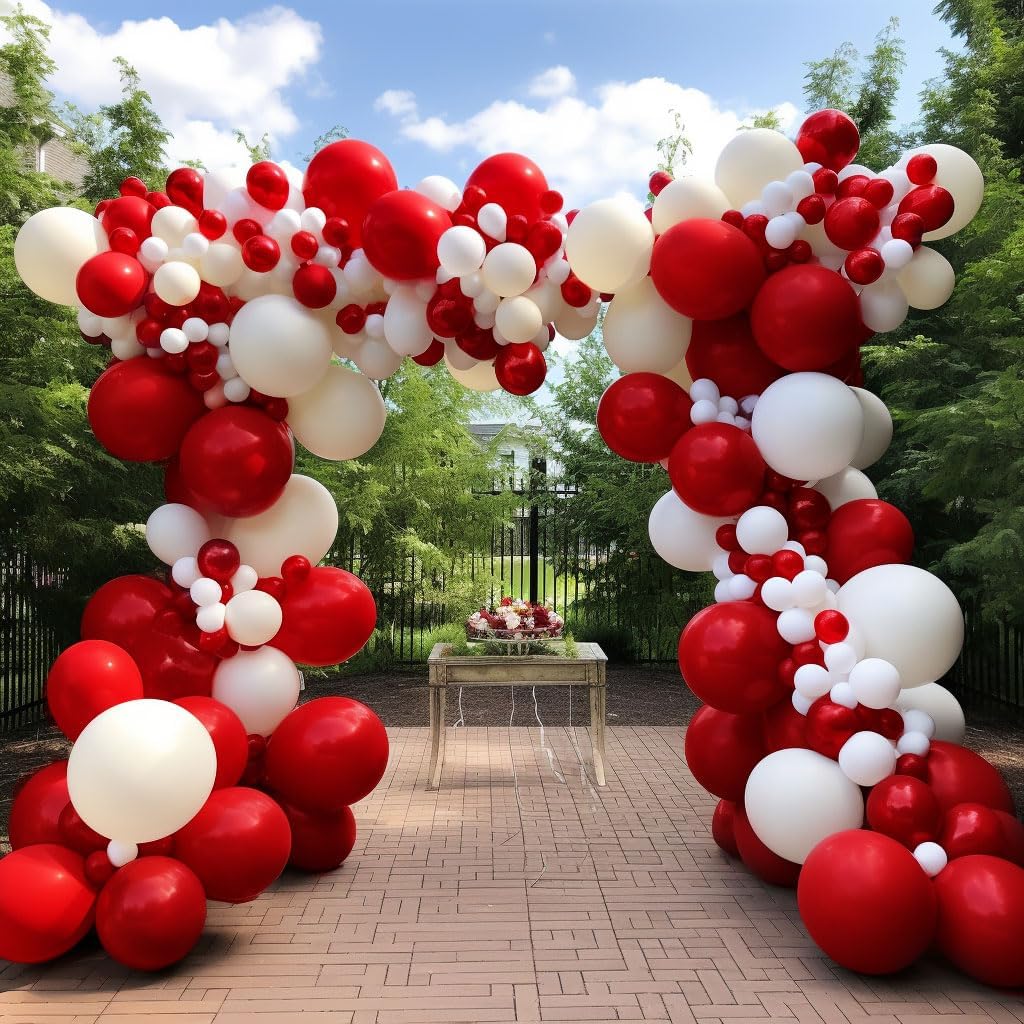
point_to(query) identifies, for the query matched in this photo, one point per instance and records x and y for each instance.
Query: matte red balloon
(237, 844)
(717, 469)
(864, 533)
(725, 351)
(722, 749)
(140, 412)
(513, 181)
(642, 415)
(905, 809)
(328, 616)
(723, 827)
(46, 903)
(111, 284)
(171, 664)
(981, 906)
(122, 607)
(520, 369)
(706, 269)
(1013, 836)
(972, 828)
(400, 235)
(829, 725)
(178, 492)
(806, 317)
(782, 726)
(327, 754)
(851, 223)
(237, 459)
(151, 913)
(131, 212)
(230, 739)
(729, 655)
(829, 138)
(38, 801)
(761, 861)
(320, 842)
(867, 902)
(75, 834)
(958, 775)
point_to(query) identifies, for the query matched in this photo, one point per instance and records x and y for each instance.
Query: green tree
(258, 150)
(335, 134)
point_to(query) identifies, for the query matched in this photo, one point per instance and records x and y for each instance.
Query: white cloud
(397, 102)
(556, 81)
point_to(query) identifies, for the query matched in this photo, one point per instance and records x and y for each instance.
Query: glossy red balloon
(905, 809)
(864, 533)
(706, 269)
(38, 801)
(729, 655)
(230, 739)
(151, 913)
(867, 902)
(717, 469)
(829, 138)
(767, 866)
(782, 726)
(828, 726)
(122, 607)
(185, 188)
(314, 285)
(932, 203)
(237, 460)
(46, 903)
(972, 828)
(320, 842)
(722, 749)
(87, 678)
(328, 615)
(131, 212)
(171, 664)
(344, 179)
(111, 284)
(725, 351)
(981, 906)
(140, 412)
(513, 181)
(958, 775)
(642, 415)
(520, 369)
(267, 184)
(237, 844)
(723, 827)
(178, 492)
(400, 235)
(851, 223)
(327, 754)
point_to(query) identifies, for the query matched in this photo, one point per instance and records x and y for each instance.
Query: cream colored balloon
(847, 485)
(518, 318)
(509, 269)
(176, 282)
(479, 377)
(173, 223)
(548, 298)
(751, 159)
(962, 178)
(303, 521)
(686, 198)
(377, 359)
(927, 280)
(260, 686)
(342, 417)
(680, 374)
(877, 429)
(642, 332)
(51, 247)
(575, 324)
(252, 618)
(609, 244)
(221, 264)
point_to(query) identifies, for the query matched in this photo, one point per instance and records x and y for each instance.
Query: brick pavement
(519, 892)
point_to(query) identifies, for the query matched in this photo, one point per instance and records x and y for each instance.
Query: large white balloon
(682, 537)
(795, 798)
(176, 531)
(303, 521)
(751, 159)
(686, 198)
(928, 279)
(479, 377)
(908, 617)
(141, 770)
(944, 708)
(609, 244)
(883, 306)
(405, 322)
(962, 178)
(261, 687)
(278, 346)
(848, 484)
(877, 429)
(808, 425)
(680, 373)
(642, 332)
(51, 247)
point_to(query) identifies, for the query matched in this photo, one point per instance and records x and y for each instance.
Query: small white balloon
(260, 686)
(210, 618)
(931, 857)
(867, 757)
(941, 707)
(461, 250)
(609, 244)
(840, 658)
(176, 282)
(883, 306)
(172, 223)
(842, 693)
(918, 721)
(509, 269)
(741, 587)
(518, 319)
(875, 682)
(809, 589)
(762, 530)
(205, 591)
(703, 411)
(253, 618)
(777, 593)
(796, 625)
(120, 853)
(245, 578)
(185, 571)
(175, 531)
(441, 190)
(913, 743)
(493, 221)
(801, 704)
(812, 681)
(928, 279)
(479, 377)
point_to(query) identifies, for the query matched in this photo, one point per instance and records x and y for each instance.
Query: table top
(587, 652)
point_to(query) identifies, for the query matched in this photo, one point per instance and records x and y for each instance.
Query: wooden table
(587, 669)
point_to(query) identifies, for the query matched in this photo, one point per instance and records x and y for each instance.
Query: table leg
(597, 717)
(437, 711)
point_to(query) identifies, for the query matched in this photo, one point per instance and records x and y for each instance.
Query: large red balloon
(723, 827)
(151, 913)
(717, 469)
(782, 726)
(706, 269)
(1013, 837)
(140, 412)
(320, 842)
(981, 907)
(228, 734)
(46, 903)
(642, 415)
(864, 533)
(722, 750)
(806, 317)
(400, 235)
(177, 491)
(905, 809)
(111, 284)
(327, 754)
(729, 655)
(172, 666)
(87, 678)
(958, 775)
(35, 812)
(132, 212)
(761, 861)
(725, 351)
(237, 460)
(829, 138)
(122, 607)
(867, 902)
(328, 616)
(520, 369)
(972, 828)
(513, 181)
(344, 178)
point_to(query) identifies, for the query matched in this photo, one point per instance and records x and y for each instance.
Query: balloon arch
(735, 310)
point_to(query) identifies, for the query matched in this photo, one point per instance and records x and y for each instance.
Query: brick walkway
(473, 905)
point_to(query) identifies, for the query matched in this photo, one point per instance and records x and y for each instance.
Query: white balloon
(809, 589)
(762, 530)
(221, 264)
(936, 701)
(642, 332)
(794, 798)
(875, 682)
(479, 377)
(405, 322)
(441, 190)
(609, 244)
(686, 198)
(518, 319)
(175, 531)
(912, 742)
(461, 250)
(751, 159)
(847, 485)
(377, 359)
(908, 617)
(493, 221)
(777, 593)
(141, 770)
(812, 681)
(931, 857)
(458, 358)
(173, 223)
(261, 687)
(682, 537)
(796, 625)
(883, 306)
(877, 429)
(680, 373)
(252, 618)
(959, 175)
(51, 247)
(509, 269)
(928, 279)
(576, 324)
(867, 757)
(205, 591)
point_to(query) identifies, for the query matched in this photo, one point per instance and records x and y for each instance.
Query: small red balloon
(320, 842)
(267, 184)
(851, 223)
(520, 369)
(171, 663)
(722, 749)
(185, 188)
(132, 212)
(36, 809)
(111, 284)
(314, 286)
(864, 533)
(642, 415)
(725, 351)
(863, 266)
(828, 726)
(716, 469)
(723, 827)
(261, 253)
(400, 235)
(829, 138)
(433, 355)
(782, 726)
(75, 834)
(972, 828)
(228, 734)
(905, 809)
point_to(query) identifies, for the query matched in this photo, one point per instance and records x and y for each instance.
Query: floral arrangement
(514, 619)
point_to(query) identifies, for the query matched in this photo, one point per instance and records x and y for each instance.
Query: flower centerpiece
(515, 619)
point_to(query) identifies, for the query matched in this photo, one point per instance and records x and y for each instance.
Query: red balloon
(717, 469)
(706, 269)
(327, 754)
(867, 902)
(782, 726)
(767, 866)
(75, 834)
(905, 809)
(88, 678)
(230, 739)
(520, 369)
(851, 223)
(828, 726)
(513, 181)
(344, 178)
(400, 235)
(237, 460)
(185, 188)
(806, 317)
(972, 828)
(131, 212)
(729, 655)
(151, 913)
(1013, 837)
(267, 184)
(46, 903)
(38, 801)
(932, 203)
(314, 285)
(642, 415)
(722, 749)
(958, 775)
(981, 906)
(178, 492)
(320, 842)
(829, 138)
(111, 283)
(122, 607)
(140, 412)
(237, 844)
(172, 666)
(725, 351)
(328, 615)
(864, 533)
(723, 827)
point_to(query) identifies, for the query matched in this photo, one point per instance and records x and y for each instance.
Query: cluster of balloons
(739, 309)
